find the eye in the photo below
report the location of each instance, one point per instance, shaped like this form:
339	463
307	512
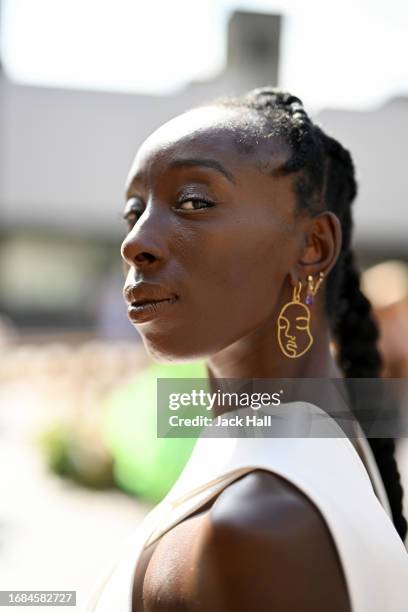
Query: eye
131	215
301	323
191	202
283	322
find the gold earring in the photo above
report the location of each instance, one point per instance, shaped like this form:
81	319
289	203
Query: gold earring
312	288
296	340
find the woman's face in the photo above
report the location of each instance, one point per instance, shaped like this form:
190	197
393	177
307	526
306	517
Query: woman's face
294	335
210	223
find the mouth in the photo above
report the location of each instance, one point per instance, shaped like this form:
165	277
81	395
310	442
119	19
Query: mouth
147	300
145	310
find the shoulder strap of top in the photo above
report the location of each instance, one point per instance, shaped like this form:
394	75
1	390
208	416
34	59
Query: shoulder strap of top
373	471
114	591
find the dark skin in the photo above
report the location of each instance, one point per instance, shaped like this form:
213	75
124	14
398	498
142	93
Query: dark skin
261	544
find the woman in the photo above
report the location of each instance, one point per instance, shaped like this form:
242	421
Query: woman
239	232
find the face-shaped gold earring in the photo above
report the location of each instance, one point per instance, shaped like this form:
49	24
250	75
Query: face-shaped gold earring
295	339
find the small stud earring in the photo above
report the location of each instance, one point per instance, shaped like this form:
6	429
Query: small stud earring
312	288
309	293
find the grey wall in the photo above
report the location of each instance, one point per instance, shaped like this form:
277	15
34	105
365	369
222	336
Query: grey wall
65	154
377	140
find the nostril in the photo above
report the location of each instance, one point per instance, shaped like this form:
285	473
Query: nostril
141	257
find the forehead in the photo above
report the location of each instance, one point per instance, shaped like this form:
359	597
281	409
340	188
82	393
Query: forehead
234	136
298	310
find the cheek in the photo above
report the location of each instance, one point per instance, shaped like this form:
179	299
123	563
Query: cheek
251	264
240	273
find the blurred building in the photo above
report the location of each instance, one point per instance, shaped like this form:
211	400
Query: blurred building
65	155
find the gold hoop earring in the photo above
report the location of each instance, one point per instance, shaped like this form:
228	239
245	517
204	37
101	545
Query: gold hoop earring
296	339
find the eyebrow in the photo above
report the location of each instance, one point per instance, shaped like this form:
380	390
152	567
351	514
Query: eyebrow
206	162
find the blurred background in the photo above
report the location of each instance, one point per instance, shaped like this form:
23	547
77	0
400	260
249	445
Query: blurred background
82	84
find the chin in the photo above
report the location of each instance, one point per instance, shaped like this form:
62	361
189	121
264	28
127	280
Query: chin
179	348
191	341
171	353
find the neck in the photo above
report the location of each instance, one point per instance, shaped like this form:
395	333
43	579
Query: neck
257	355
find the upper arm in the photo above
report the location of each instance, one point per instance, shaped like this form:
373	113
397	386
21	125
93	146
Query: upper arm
265	546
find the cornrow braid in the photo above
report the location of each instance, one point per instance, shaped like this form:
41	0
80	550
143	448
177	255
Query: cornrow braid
325	179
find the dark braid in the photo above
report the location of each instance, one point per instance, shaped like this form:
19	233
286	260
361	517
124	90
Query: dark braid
361	359
325	179
351	316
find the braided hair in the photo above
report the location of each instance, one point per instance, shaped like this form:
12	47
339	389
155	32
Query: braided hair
324	178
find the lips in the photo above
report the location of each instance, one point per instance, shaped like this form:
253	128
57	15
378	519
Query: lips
146	301
147	293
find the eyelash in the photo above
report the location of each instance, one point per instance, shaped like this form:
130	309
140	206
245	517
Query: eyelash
137	213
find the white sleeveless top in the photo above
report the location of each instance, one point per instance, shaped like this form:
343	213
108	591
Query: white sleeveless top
326	469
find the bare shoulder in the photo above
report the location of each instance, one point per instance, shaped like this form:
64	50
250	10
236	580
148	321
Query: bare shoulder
265	546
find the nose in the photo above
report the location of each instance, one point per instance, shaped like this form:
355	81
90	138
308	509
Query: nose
144	246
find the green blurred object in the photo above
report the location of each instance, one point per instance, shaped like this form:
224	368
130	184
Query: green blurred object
77	455
145	465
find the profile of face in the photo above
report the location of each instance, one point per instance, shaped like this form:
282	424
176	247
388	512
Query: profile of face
209	222
294	329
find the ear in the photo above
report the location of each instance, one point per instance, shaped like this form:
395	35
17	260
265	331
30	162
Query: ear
321	246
